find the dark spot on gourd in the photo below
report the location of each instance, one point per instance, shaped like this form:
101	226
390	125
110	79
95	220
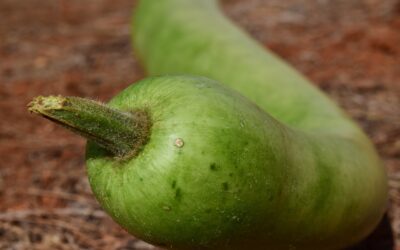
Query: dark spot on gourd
208	210
225	186
178	194
140	179
213	167
173	185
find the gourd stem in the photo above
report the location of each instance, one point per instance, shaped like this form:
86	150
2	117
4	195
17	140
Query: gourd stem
122	133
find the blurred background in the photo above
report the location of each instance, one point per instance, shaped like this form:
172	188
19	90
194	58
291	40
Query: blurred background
349	48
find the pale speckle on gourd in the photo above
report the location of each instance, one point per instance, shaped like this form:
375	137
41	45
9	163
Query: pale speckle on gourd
242	123
179	142
166	208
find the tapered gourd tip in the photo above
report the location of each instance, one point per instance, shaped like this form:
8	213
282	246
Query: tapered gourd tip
41	104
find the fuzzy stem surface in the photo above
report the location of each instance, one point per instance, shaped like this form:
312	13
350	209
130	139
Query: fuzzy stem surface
122	133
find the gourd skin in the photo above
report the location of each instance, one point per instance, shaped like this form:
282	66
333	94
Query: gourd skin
242	179
193	37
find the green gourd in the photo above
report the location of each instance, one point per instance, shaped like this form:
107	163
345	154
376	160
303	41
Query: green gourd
185	162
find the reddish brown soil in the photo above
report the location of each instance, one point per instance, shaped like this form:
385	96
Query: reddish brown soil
351	49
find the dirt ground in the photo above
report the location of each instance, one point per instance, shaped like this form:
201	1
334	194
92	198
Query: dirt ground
349	48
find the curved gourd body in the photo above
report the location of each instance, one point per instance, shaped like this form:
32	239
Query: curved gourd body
219	172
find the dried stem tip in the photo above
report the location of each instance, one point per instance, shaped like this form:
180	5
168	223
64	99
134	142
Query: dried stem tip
120	132
40	104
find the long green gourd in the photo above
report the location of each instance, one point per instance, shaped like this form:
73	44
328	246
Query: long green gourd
186	163
335	187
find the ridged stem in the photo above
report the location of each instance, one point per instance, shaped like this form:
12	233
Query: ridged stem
121	133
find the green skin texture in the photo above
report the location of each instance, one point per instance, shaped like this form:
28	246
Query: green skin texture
302	176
